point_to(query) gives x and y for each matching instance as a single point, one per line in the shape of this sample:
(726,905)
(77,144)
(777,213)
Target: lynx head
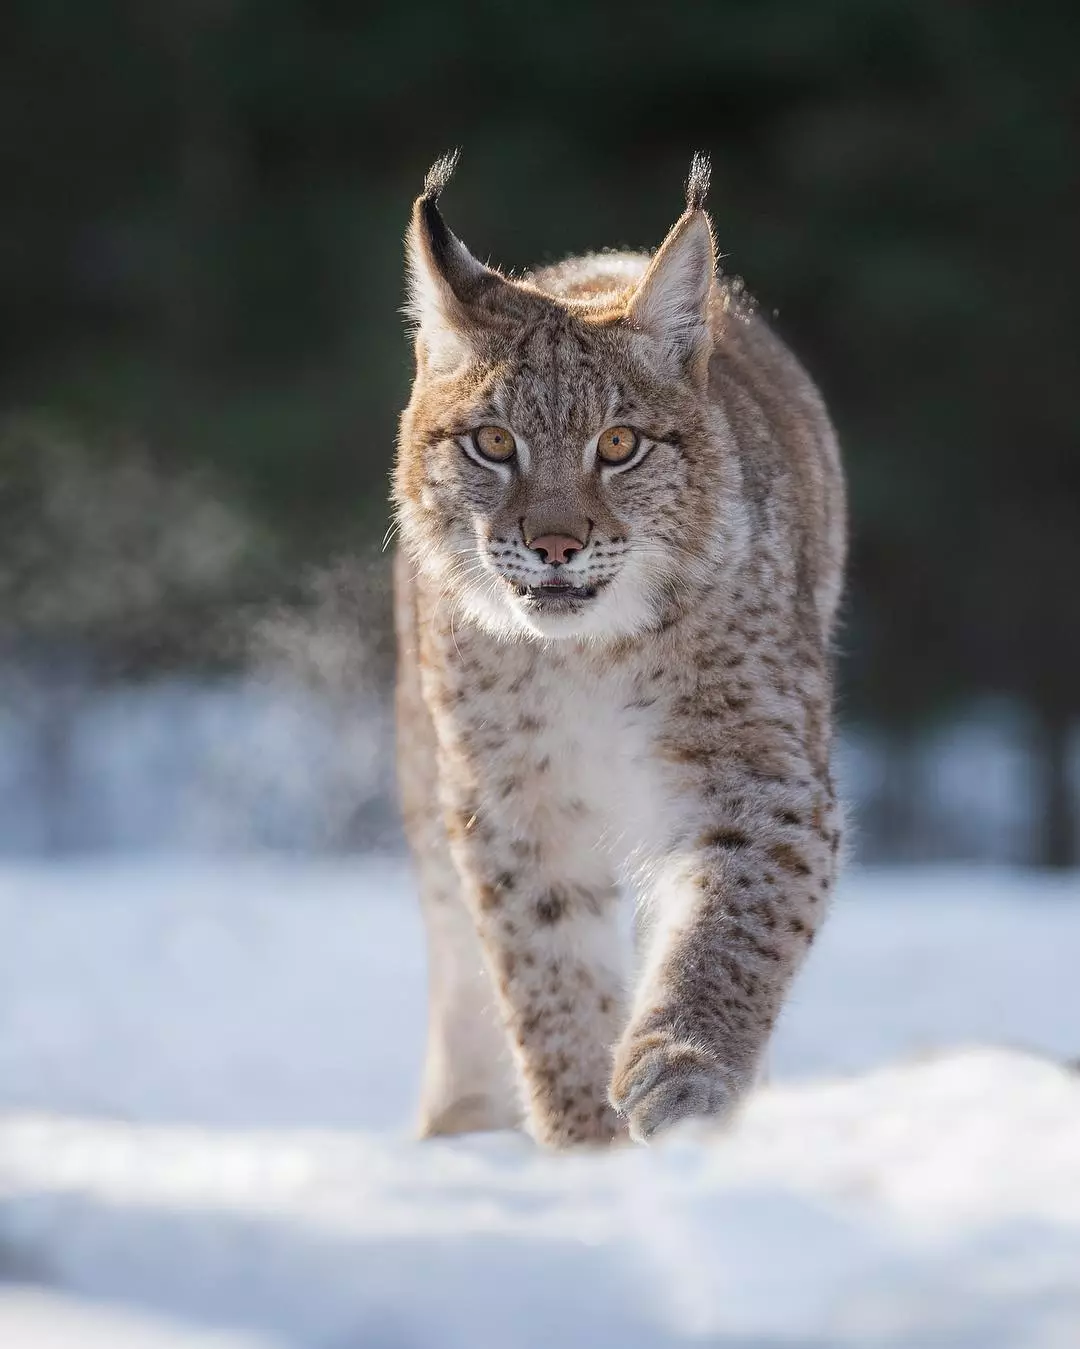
(559,472)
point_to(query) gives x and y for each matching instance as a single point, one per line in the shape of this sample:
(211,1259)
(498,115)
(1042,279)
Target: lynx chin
(621,514)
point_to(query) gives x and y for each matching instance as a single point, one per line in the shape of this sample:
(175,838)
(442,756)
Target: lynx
(622,528)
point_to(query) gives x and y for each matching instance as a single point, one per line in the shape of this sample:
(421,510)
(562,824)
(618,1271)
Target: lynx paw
(659,1081)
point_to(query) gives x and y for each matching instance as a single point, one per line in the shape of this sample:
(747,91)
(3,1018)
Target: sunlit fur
(668,725)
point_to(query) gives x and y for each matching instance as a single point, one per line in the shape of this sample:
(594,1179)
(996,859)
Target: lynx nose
(555,549)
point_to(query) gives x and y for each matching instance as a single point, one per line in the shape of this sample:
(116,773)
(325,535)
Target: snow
(207,1073)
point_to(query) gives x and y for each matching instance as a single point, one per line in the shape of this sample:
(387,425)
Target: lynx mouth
(556,594)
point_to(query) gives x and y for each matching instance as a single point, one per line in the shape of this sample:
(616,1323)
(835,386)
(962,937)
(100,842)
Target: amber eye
(494,442)
(617,444)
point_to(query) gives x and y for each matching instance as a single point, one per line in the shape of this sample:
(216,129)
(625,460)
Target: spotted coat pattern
(663,731)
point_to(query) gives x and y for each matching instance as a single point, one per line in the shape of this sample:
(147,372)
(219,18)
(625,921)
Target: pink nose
(556,548)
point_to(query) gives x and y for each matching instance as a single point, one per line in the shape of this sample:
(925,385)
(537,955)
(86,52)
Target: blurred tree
(105,554)
(109,568)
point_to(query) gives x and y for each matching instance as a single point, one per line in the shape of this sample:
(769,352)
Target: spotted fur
(665,728)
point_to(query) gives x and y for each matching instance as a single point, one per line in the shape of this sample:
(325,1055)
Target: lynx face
(561,466)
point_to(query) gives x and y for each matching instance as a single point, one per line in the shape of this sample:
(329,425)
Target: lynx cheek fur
(622,526)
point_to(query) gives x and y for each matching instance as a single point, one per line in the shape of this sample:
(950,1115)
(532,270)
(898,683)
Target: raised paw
(660,1080)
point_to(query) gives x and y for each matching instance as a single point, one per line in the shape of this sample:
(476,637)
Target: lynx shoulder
(622,531)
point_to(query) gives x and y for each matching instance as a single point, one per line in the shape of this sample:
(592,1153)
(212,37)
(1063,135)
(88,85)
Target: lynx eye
(495,443)
(616,444)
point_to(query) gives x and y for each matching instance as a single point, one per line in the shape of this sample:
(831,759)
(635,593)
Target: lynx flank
(622,542)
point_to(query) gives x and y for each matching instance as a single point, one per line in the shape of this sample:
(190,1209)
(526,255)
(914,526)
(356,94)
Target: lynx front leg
(469,1079)
(736,912)
(550,933)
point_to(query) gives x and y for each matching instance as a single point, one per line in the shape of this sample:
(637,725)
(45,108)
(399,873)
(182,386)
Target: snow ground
(207,1074)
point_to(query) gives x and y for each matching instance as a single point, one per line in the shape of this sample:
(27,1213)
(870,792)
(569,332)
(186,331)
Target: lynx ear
(446,282)
(671,302)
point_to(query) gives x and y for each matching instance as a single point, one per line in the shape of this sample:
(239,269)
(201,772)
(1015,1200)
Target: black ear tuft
(697,184)
(437,177)
(440,174)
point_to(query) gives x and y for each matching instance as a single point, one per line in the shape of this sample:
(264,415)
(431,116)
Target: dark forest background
(201,274)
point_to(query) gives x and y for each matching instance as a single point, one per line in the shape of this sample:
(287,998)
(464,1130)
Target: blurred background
(211,961)
(202,361)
